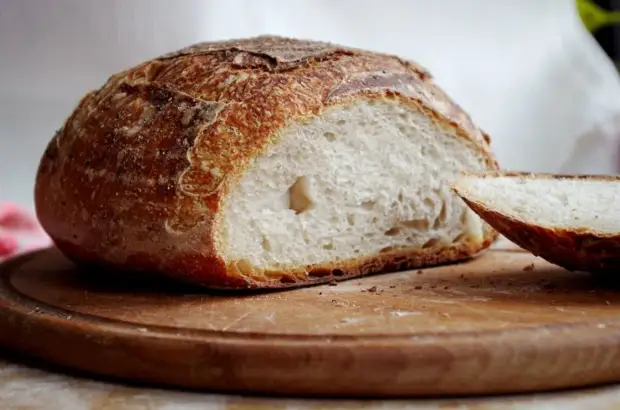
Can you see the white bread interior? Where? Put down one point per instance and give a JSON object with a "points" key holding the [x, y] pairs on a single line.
{"points": [[358, 180], [564, 203]]}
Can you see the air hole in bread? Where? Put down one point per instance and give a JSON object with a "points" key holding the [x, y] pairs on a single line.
{"points": [[329, 246], [299, 195], [266, 245], [341, 122], [392, 231], [329, 136], [441, 218], [459, 238], [351, 219], [387, 249], [418, 224], [431, 243], [463, 218], [368, 205]]}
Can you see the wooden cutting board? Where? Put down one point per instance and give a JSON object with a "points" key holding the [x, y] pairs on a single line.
{"points": [[505, 322]]}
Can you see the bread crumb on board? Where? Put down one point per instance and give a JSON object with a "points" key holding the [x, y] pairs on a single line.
{"points": [[529, 267], [374, 290]]}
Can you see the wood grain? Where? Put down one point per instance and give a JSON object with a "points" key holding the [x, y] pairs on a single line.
{"points": [[506, 322]]}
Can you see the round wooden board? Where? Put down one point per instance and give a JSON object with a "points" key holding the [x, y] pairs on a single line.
{"points": [[505, 322]]}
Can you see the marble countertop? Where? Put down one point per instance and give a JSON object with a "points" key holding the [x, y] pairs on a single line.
{"points": [[29, 387]]}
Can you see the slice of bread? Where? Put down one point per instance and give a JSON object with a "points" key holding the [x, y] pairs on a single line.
{"points": [[264, 162], [569, 220]]}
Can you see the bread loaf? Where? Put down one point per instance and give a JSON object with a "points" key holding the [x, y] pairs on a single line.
{"points": [[568, 220], [265, 162]]}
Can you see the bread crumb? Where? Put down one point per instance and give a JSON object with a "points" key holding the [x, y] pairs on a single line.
{"points": [[445, 314], [320, 293], [607, 302], [418, 287], [445, 287], [419, 272], [392, 286], [333, 283], [373, 289], [529, 267]]}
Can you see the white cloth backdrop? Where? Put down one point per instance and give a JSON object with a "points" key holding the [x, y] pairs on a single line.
{"points": [[526, 70]]}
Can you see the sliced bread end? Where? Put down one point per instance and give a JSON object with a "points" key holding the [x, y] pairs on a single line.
{"points": [[568, 220]]}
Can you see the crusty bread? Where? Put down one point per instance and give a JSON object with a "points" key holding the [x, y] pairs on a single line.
{"points": [[569, 220], [264, 162]]}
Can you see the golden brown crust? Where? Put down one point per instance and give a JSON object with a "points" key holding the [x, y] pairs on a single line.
{"points": [[576, 250], [214, 274], [137, 174]]}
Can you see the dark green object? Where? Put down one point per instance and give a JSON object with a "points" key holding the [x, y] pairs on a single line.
{"points": [[595, 17]]}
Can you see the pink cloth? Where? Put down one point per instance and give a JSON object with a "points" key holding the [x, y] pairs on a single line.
{"points": [[19, 231]]}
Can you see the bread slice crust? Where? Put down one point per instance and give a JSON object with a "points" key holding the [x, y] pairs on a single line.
{"points": [[581, 249], [137, 175]]}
